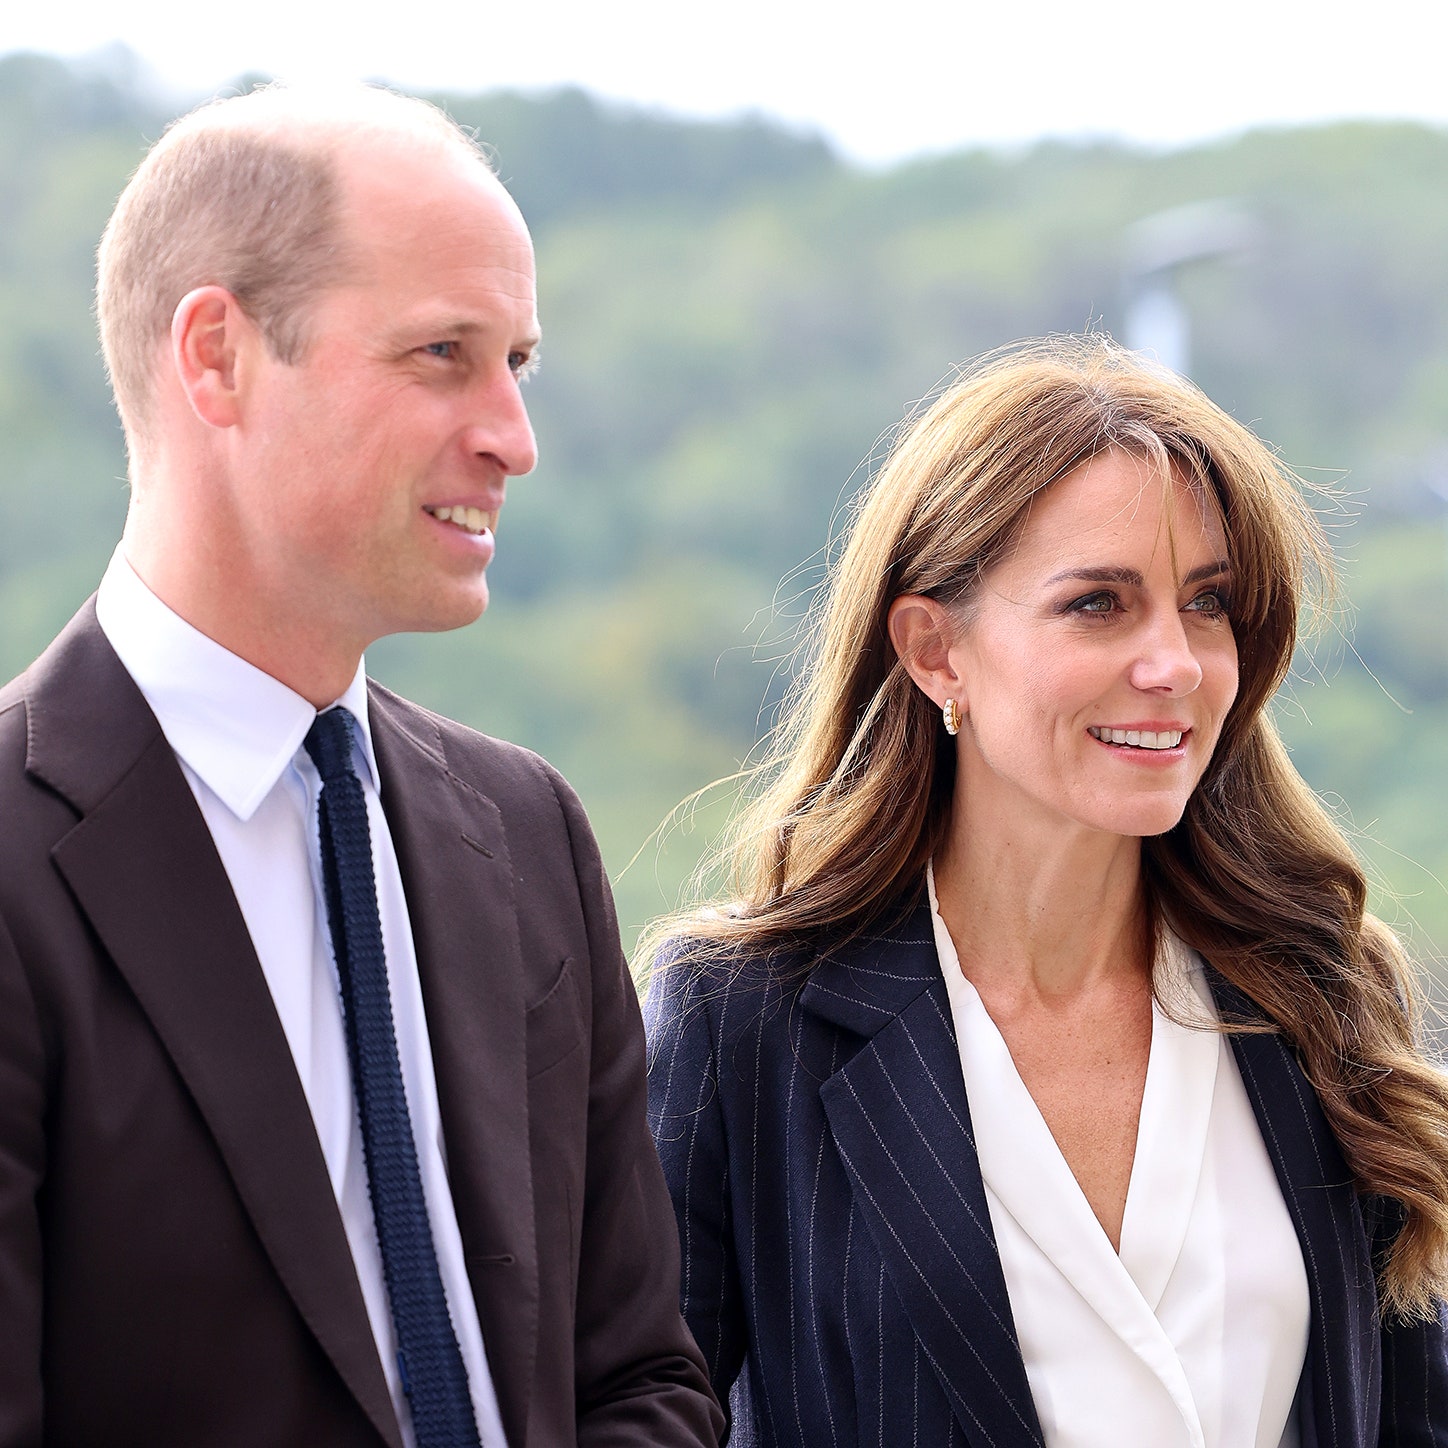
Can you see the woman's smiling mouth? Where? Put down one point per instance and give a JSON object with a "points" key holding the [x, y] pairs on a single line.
{"points": [[1138, 738]]}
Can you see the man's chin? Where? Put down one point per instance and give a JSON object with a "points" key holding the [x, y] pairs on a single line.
{"points": [[443, 616]]}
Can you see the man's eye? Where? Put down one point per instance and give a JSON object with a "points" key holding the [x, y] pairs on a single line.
{"points": [[522, 364], [441, 349]]}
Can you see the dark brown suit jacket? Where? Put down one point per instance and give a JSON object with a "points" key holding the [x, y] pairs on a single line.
{"points": [[173, 1269]]}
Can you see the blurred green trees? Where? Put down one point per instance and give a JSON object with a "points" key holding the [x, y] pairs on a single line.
{"points": [[734, 322]]}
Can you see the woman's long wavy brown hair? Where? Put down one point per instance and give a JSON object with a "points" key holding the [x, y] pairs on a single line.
{"points": [[853, 796]]}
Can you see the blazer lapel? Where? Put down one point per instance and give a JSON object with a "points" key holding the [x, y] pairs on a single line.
{"points": [[453, 853], [1340, 1389], [901, 1123], [144, 870]]}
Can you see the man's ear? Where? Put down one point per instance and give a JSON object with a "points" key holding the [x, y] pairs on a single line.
{"points": [[210, 337], [922, 629]]}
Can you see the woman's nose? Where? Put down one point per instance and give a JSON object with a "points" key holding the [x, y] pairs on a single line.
{"points": [[1166, 662]]}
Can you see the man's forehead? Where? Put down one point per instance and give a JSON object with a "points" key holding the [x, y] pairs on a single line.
{"points": [[370, 159], [425, 195]]}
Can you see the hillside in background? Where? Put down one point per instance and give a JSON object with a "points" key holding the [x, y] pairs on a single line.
{"points": [[734, 321]]}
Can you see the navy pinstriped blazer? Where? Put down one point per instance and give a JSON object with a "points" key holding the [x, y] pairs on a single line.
{"points": [[839, 1269]]}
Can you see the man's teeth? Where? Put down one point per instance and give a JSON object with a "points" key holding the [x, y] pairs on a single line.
{"points": [[1138, 738], [473, 519]]}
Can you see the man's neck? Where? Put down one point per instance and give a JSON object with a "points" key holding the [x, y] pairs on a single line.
{"points": [[304, 655]]}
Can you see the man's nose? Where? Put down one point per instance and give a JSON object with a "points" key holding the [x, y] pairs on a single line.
{"points": [[1166, 662], [501, 429]]}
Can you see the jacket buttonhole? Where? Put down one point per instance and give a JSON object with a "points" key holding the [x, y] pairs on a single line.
{"points": [[481, 848]]}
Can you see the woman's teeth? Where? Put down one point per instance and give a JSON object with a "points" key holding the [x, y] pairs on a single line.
{"points": [[1138, 738], [474, 520]]}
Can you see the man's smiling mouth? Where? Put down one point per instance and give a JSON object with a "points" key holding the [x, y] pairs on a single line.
{"points": [[471, 520]]}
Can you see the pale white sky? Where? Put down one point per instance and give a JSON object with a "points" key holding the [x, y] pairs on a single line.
{"points": [[882, 78]]}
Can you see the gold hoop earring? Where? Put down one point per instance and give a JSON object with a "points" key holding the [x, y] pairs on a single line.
{"points": [[951, 715]]}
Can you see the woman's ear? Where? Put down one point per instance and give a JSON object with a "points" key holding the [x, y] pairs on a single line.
{"points": [[922, 630]]}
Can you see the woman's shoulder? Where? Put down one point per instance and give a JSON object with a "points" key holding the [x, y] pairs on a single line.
{"points": [[712, 973], [740, 974]]}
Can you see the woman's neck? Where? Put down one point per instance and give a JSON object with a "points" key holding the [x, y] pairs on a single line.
{"points": [[1050, 917]]}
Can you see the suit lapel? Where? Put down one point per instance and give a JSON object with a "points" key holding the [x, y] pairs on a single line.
{"points": [[453, 854], [1339, 1402], [900, 1120], [145, 872]]}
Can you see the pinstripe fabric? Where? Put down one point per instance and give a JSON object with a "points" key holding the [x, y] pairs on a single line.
{"points": [[839, 1270]]}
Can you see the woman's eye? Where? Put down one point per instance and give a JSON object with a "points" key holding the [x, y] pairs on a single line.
{"points": [[1094, 603], [1212, 602]]}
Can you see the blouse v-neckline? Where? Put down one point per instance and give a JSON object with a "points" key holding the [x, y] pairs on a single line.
{"points": [[1029, 1181]]}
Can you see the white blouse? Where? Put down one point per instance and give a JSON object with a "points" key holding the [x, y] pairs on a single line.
{"points": [[1195, 1334]]}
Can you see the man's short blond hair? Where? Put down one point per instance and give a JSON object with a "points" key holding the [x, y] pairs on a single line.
{"points": [[242, 193]]}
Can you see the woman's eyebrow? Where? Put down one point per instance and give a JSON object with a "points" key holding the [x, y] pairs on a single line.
{"points": [[1207, 570], [1128, 576], [1133, 578]]}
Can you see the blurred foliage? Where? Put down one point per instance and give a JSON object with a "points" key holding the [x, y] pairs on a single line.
{"points": [[736, 320]]}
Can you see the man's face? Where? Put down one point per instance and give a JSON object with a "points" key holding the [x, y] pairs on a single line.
{"points": [[373, 470]]}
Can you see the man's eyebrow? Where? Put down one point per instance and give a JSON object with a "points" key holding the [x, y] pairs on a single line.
{"points": [[460, 326], [1132, 578], [442, 326]]}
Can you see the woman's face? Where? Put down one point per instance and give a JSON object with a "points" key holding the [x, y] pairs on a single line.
{"points": [[1098, 663]]}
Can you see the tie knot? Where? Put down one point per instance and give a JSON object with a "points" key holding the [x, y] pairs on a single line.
{"points": [[329, 742]]}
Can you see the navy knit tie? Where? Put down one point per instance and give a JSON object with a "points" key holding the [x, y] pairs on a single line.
{"points": [[433, 1375]]}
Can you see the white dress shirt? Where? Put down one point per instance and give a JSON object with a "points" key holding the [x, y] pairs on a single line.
{"points": [[237, 734], [1195, 1334]]}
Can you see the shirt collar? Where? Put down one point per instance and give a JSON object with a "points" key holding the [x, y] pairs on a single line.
{"points": [[234, 726]]}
